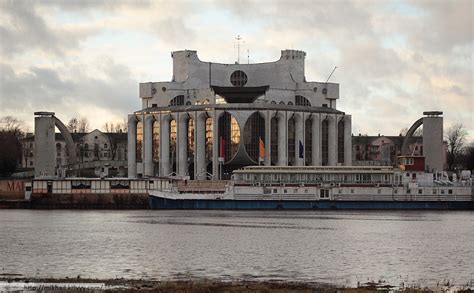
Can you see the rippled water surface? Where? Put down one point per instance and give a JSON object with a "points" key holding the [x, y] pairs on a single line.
{"points": [[332, 247]]}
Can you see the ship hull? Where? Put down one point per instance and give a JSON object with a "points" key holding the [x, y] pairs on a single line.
{"points": [[158, 202]]}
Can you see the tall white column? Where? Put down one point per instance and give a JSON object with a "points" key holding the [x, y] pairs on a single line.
{"points": [[182, 144], [148, 145], [165, 145], [282, 139], [316, 140], [215, 145], [299, 136], [332, 142], [347, 140], [132, 146], [268, 120], [200, 142]]}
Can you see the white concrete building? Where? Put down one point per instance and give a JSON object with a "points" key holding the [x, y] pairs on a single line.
{"points": [[214, 118]]}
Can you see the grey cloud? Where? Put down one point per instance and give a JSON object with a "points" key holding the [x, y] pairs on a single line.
{"points": [[83, 5], [25, 29], [44, 89], [174, 31], [444, 25]]}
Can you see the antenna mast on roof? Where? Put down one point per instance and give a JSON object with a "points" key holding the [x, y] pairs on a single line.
{"points": [[238, 38], [335, 67]]}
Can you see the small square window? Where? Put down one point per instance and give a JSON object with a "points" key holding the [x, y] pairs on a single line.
{"points": [[284, 190], [408, 191], [352, 190], [420, 191], [450, 191], [442, 191], [435, 191], [379, 191], [395, 191]]}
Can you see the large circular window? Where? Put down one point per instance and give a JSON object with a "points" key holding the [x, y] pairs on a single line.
{"points": [[238, 78]]}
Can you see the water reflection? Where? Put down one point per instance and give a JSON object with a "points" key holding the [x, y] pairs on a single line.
{"points": [[333, 246]]}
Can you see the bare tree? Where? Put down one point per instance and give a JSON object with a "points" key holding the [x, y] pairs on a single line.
{"points": [[83, 125], [111, 130], [111, 127], [72, 125], [456, 137], [11, 137]]}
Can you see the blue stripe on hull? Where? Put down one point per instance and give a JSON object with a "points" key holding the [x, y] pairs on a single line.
{"points": [[164, 203]]}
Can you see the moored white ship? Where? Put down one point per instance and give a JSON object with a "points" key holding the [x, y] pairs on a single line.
{"points": [[283, 187]]}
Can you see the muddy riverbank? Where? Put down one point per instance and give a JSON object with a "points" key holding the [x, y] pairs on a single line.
{"points": [[13, 283]]}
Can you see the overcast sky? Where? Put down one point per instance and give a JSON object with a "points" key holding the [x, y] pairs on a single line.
{"points": [[395, 59]]}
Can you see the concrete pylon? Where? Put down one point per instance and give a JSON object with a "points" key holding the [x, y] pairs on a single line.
{"points": [[45, 159], [433, 142]]}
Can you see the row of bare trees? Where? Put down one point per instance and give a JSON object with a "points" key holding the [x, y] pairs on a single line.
{"points": [[459, 154], [12, 132]]}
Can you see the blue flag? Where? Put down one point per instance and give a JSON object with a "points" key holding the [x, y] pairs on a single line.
{"points": [[301, 153]]}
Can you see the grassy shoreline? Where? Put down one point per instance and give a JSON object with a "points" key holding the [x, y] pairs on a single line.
{"points": [[206, 285]]}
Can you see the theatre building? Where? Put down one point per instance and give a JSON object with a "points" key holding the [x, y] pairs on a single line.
{"points": [[213, 118]]}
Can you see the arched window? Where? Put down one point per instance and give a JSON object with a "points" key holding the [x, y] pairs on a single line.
{"points": [[177, 101], [291, 141], [308, 137], [340, 142], [139, 137], [324, 142], [156, 141], [190, 147], [282, 103], [302, 101], [274, 141], [254, 131], [188, 103], [229, 136], [290, 103], [209, 135], [173, 137]]}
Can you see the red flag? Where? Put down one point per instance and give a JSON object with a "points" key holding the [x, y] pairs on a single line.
{"points": [[222, 147]]}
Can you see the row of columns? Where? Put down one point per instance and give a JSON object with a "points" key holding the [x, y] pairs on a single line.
{"points": [[165, 168]]}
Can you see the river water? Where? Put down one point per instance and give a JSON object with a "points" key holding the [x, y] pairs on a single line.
{"points": [[336, 247]]}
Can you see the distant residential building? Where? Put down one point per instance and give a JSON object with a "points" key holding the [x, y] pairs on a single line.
{"points": [[384, 150], [93, 146]]}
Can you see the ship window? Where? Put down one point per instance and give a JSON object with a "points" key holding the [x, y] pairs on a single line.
{"points": [[395, 191], [442, 191], [340, 191], [284, 190], [435, 191], [352, 190], [420, 191], [450, 191], [274, 190], [379, 191], [408, 191]]}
